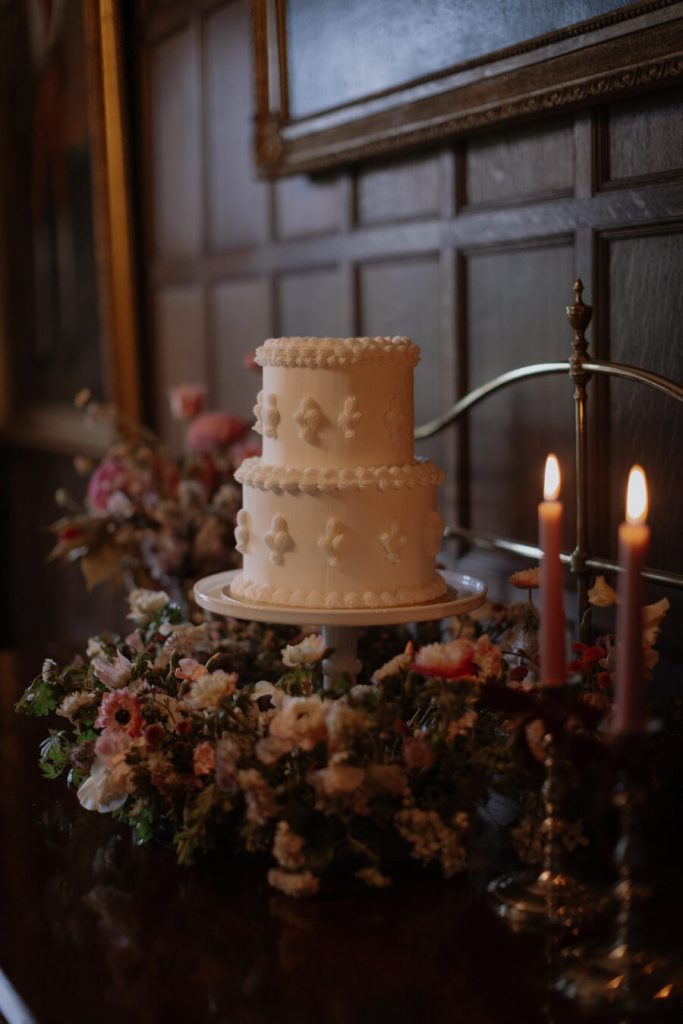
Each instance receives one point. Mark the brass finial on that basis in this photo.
(579, 316)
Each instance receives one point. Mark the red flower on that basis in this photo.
(576, 666)
(593, 654)
(183, 727)
(154, 736)
(120, 712)
(416, 753)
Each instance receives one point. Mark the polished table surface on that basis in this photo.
(93, 928)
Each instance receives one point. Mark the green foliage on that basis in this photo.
(54, 754)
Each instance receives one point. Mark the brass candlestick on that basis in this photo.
(631, 973)
(553, 897)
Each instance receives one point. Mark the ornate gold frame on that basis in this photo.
(579, 369)
(58, 427)
(624, 51)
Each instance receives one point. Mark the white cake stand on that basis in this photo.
(340, 625)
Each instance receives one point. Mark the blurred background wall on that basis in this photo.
(471, 248)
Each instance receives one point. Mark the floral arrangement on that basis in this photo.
(151, 517)
(220, 735)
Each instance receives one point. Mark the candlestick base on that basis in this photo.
(633, 981)
(532, 902)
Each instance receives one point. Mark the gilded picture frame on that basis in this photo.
(68, 312)
(620, 52)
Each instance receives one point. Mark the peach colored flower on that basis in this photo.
(203, 759)
(120, 712)
(301, 722)
(526, 579)
(601, 595)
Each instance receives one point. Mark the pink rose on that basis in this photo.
(186, 400)
(214, 430)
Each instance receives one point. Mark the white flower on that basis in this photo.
(266, 689)
(113, 675)
(308, 652)
(144, 604)
(601, 595)
(305, 883)
(48, 670)
(400, 663)
(94, 648)
(288, 847)
(74, 703)
(210, 690)
(110, 780)
(343, 723)
(301, 722)
(339, 779)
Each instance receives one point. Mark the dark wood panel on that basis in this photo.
(180, 350)
(313, 304)
(644, 276)
(530, 163)
(237, 204)
(176, 184)
(514, 302)
(399, 191)
(645, 137)
(309, 206)
(240, 320)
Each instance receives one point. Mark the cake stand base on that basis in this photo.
(340, 625)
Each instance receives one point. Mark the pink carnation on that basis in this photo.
(186, 400)
(214, 430)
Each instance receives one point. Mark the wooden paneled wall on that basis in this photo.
(472, 250)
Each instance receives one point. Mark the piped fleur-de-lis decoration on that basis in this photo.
(393, 540)
(331, 540)
(278, 539)
(434, 532)
(308, 419)
(258, 413)
(349, 417)
(271, 417)
(394, 417)
(242, 531)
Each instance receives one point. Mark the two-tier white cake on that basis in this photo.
(338, 512)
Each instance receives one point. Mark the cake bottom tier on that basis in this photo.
(339, 549)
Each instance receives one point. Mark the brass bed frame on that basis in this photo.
(580, 368)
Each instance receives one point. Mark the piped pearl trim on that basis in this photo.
(420, 473)
(263, 593)
(329, 353)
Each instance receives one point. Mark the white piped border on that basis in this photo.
(331, 353)
(263, 593)
(420, 473)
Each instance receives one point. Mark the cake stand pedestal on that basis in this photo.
(340, 626)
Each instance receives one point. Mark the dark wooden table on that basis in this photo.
(94, 928)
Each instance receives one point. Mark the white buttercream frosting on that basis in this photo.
(331, 353)
(257, 473)
(264, 593)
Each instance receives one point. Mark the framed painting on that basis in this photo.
(338, 83)
(67, 302)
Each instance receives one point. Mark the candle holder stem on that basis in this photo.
(630, 972)
(553, 897)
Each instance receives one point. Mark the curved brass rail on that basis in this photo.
(598, 366)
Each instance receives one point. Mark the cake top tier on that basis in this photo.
(331, 353)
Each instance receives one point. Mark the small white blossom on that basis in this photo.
(210, 691)
(301, 722)
(288, 847)
(115, 674)
(48, 670)
(144, 604)
(75, 702)
(308, 652)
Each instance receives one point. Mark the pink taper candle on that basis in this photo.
(553, 656)
(634, 539)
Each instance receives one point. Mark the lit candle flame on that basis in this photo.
(551, 482)
(636, 496)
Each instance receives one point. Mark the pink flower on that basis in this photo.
(416, 753)
(447, 661)
(113, 675)
(186, 400)
(249, 362)
(214, 430)
(204, 759)
(109, 477)
(189, 670)
(120, 712)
